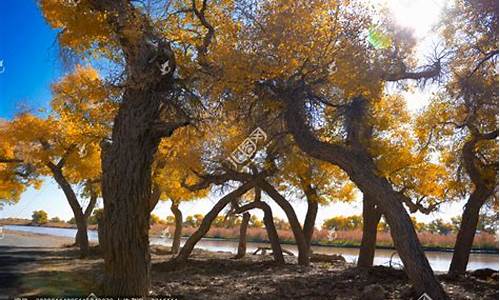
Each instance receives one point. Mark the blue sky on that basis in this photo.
(29, 53)
(30, 57)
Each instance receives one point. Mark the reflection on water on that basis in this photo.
(438, 260)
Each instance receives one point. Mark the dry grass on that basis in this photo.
(482, 240)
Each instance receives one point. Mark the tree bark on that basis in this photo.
(272, 233)
(126, 160)
(81, 238)
(371, 218)
(466, 232)
(312, 212)
(242, 244)
(176, 242)
(363, 172)
(208, 219)
(302, 247)
(484, 187)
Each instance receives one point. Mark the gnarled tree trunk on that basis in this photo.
(302, 246)
(466, 233)
(208, 219)
(363, 172)
(371, 218)
(242, 244)
(176, 242)
(483, 188)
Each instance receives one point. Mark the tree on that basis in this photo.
(39, 217)
(323, 78)
(174, 163)
(153, 103)
(55, 220)
(65, 144)
(462, 121)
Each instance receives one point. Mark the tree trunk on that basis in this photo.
(242, 244)
(312, 212)
(363, 172)
(127, 158)
(302, 247)
(126, 189)
(272, 233)
(176, 242)
(371, 218)
(81, 238)
(466, 233)
(208, 219)
(484, 188)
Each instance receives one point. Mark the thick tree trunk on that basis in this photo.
(363, 172)
(302, 247)
(466, 233)
(127, 158)
(176, 242)
(126, 188)
(242, 244)
(208, 219)
(371, 218)
(272, 233)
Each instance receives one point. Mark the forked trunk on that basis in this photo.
(466, 233)
(272, 233)
(242, 244)
(208, 219)
(176, 242)
(302, 247)
(81, 237)
(371, 218)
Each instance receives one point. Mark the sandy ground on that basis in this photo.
(34, 264)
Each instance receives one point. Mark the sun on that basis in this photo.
(419, 15)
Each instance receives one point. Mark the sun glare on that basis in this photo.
(419, 15)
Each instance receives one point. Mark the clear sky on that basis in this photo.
(29, 53)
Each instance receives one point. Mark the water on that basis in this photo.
(439, 261)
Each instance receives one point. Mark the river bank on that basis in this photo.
(35, 264)
(483, 243)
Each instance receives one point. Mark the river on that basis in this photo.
(439, 260)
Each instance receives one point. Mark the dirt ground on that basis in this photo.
(32, 264)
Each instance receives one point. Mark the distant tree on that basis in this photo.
(55, 220)
(72, 221)
(96, 215)
(154, 219)
(343, 223)
(281, 224)
(39, 217)
(255, 222)
(440, 227)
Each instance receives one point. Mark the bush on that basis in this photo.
(55, 220)
(39, 217)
